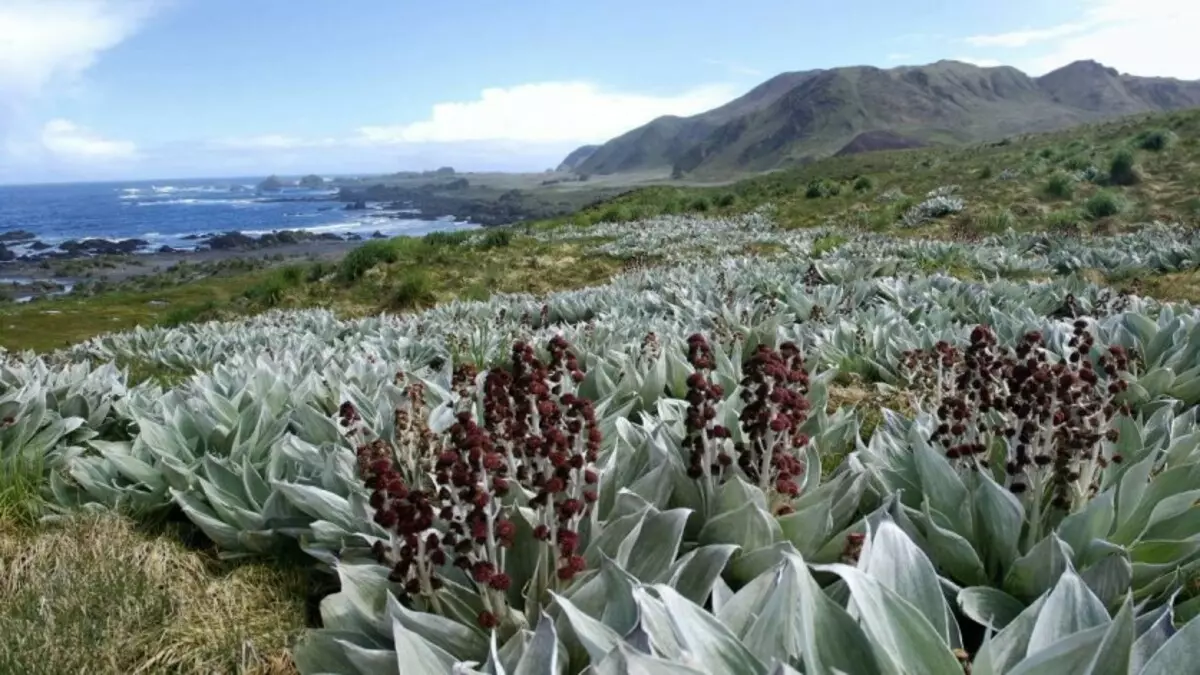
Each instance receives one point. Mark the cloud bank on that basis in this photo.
(46, 45)
(546, 112)
(1142, 37)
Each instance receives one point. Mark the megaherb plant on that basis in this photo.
(637, 487)
(1022, 463)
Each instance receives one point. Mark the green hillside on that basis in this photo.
(800, 117)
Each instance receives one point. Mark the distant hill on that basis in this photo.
(800, 116)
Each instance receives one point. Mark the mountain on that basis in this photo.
(797, 117)
(577, 157)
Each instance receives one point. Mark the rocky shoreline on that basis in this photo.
(22, 246)
(23, 280)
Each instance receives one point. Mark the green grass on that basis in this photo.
(21, 485)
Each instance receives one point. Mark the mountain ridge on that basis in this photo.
(795, 117)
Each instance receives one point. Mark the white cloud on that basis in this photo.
(546, 112)
(982, 63)
(48, 40)
(1021, 38)
(67, 141)
(45, 46)
(1143, 37)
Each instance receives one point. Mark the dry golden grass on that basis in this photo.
(1173, 287)
(94, 595)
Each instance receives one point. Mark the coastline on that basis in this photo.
(42, 278)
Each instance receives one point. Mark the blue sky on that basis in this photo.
(118, 89)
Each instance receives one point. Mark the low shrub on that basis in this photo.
(819, 188)
(1062, 219)
(496, 238)
(1156, 140)
(447, 239)
(415, 289)
(1104, 204)
(362, 259)
(1059, 186)
(995, 221)
(825, 244)
(1122, 170)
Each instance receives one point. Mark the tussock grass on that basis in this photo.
(21, 483)
(92, 594)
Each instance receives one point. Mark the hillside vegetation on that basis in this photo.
(1004, 183)
(926, 411)
(804, 116)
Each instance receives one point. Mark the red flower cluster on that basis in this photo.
(535, 433)
(550, 438)
(1051, 416)
(702, 436)
(774, 384)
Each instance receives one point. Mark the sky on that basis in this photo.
(152, 89)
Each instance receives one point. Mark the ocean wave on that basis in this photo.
(188, 189)
(193, 201)
(171, 202)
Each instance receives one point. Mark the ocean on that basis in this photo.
(167, 212)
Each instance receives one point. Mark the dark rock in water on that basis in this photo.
(353, 236)
(357, 205)
(167, 249)
(17, 235)
(238, 189)
(378, 235)
(103, 246)
(193, 237)
(6, 255)
(329, 236)
(229, 240)
(312, 182)
(40, 246)
(270, 184)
